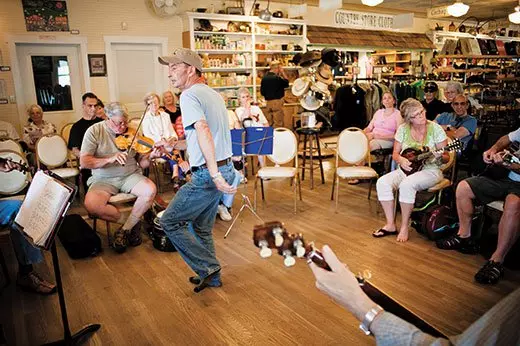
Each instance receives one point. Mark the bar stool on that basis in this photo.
(310, 134)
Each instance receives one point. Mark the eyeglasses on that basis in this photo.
(119, 124)
(456, 104)
(418, 114)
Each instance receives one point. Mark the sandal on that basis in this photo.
(380, 233)
(455, 242)
(490, 273)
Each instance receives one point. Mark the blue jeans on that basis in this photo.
(25, 252)
(196, 202)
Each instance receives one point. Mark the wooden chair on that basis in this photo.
(353, 149)
(285, 149)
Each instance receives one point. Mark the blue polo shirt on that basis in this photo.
(514, 137)
(200, 102)
(467, 121)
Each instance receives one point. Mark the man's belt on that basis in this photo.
(219, 163)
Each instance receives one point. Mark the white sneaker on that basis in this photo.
(223, 213)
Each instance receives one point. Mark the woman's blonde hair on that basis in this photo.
(387, 93)
(31, 107)
(148, 96)
(408, 107)
(168, 92)
(242, 91)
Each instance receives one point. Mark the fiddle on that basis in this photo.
(130, 140)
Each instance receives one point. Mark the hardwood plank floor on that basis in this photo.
(143, 297)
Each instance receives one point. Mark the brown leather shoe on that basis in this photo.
(33, 282)
(134, 235)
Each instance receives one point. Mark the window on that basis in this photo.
(52, 82)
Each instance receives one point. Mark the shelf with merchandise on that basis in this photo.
(208, 33)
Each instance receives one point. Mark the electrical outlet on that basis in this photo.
(12, 99)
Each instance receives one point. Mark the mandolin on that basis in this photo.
(273, 235)
(418, 157)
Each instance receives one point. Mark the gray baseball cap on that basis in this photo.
(184, 55)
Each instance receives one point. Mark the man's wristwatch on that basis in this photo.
(216, 175)
(369, 318)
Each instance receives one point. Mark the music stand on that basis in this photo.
(250, 141)
(68, 338)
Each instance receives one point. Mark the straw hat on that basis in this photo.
(320, 87)
(324, 74)
(310, 102)
(300, 86)
(311, 58)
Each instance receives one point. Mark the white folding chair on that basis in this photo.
(353, 149)
(52, 151)
(65, 131)
(15, 181)
(9, 144)
(285, 149)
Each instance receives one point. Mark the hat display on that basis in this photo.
(324, 74)
(431, 87)
(300, 86)
(330, 57)
(184, 55)
(311, 58)
(320, 87)
(310, 102)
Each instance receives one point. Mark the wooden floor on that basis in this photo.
(143, 297)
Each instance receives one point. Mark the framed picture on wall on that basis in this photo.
(97, 65)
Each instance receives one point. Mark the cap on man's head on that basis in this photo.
(431, 87)
(274, 63)
(183, 55)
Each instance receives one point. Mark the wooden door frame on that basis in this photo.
(77, 42)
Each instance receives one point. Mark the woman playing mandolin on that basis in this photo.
(416, 132)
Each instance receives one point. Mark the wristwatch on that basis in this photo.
(369, 318)
(448, 127)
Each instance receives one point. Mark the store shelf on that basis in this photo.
(478, 56)
(457, 70)
(207, 33)
(402, 61)
(284, 67)
(278, 51)
(221, 51)
(232, 86)
(226, 69)
(389, 53)
(298, 37)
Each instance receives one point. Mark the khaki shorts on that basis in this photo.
(117, 184)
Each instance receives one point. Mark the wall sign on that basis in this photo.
(438, 12)
(363, 20)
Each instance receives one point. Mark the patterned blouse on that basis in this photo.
(31, 132)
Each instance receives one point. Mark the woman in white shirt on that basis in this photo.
(157, 126)
(250, 115)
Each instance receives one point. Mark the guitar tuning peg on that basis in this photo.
(265, 251)
(367, 274)
(300, 250)
(289, 260)
(278, 238)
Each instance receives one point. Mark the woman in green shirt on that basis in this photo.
(415, 132)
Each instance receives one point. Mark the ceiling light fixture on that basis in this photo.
(458, 9)
(265, 14)
(515, 16)
(371, 3)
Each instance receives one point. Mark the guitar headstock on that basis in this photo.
(455, 145)
(274, 235)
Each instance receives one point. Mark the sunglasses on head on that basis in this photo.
(459, 103)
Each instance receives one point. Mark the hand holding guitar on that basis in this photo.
(405, 164)
(341, 285)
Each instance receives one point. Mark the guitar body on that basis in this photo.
(412, 155)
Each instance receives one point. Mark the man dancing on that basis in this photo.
(208, 142)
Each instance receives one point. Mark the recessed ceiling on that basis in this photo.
(482, 9)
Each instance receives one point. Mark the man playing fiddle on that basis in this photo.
(115, 171)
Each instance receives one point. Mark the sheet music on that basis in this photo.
(42, 207)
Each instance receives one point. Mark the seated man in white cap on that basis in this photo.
(114, 171)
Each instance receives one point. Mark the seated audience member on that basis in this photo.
(483, 190)
(384, 124)
(452, 89)
(157, 126)
(115, 171)
(431, 103)
(250, 115)
(458, 124)
(26, 254)
(416, 132)
(36, 128)
(498, 326)
(100, 110)
(170, 107)
(89, 109)
(7, 131)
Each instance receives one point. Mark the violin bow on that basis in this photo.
(138, 127)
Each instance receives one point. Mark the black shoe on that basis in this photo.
(206, 282)
(490, 273)
(120, 242)
(134, 236)
(454, 242)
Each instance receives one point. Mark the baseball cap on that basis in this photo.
(184, 55)
(430, 87)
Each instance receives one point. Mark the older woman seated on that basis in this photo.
(416, 132)
(36, 127)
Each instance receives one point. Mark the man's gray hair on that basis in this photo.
(114, 109)
(454, 85)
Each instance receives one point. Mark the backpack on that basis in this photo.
(436, 221)
(78, 238)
